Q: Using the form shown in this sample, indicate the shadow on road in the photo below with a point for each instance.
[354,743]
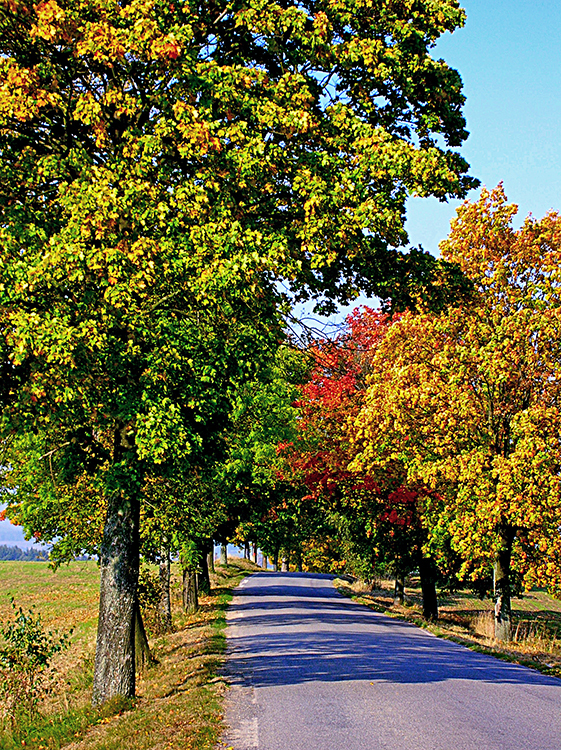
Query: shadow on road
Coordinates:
[291,633]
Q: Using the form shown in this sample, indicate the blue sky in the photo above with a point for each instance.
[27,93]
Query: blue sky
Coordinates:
[509,57]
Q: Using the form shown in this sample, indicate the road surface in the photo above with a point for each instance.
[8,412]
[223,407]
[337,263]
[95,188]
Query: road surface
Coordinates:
[312,670]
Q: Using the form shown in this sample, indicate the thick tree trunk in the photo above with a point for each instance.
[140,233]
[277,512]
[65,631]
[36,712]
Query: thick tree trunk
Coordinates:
[114,670]
[165,598]
[502,588]
[276,561]
[204,575]
[142,655]
[223,554]
[190,596]
[246,551]
[210,558]
[399,590]
[427,573]
[255,552]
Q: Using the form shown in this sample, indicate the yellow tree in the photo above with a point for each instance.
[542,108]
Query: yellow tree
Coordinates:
[470,402]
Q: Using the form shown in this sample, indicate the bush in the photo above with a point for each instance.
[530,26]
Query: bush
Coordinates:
[25,670]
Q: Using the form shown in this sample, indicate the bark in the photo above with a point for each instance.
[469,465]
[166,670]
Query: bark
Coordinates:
[114,670]
[427,573]
[190,594]
[204,575]
[276,561]
[223,554]
[246,551]
[399,590]
[210,559]
[255,552]
[165,598]
[285,565]
[299,561]
[142,653]
[502,587]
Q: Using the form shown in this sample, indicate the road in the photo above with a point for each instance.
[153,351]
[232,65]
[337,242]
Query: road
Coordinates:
[312,670]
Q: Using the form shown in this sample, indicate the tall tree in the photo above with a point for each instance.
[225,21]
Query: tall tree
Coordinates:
[162,165]
[470,401]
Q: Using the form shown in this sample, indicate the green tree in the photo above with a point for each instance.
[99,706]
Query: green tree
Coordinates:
[163,166]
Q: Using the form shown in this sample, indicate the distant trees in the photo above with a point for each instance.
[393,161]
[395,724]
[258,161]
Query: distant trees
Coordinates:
[8,552]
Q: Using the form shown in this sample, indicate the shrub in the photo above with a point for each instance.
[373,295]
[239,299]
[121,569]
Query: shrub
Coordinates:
[25,670]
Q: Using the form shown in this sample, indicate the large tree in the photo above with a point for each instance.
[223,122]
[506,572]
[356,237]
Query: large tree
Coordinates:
[162,167]
[469,402]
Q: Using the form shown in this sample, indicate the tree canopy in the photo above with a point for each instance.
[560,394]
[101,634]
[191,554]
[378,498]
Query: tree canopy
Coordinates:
[469,402]
[164,168]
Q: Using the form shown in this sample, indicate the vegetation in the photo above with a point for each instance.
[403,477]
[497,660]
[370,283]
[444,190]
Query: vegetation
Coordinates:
[175,178]
[166,169]
[178,704]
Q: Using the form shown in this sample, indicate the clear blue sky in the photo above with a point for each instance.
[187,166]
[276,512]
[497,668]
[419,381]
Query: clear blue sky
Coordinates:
[509,57]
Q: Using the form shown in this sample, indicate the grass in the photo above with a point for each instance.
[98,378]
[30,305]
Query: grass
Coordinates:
[178,703]
[468,620]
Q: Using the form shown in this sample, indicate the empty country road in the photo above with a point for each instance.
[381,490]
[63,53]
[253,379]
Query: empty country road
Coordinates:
[312,670]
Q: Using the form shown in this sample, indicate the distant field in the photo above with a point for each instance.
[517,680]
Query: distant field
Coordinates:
[65,598]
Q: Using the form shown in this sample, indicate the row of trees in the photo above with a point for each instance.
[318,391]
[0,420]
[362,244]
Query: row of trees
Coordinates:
[431,442]
[173,177]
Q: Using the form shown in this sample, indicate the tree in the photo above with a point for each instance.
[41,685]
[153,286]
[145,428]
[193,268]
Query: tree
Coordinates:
[163,165]
[469,402]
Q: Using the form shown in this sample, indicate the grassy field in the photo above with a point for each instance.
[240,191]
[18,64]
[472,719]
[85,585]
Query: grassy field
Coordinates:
[178,705]
[468,619]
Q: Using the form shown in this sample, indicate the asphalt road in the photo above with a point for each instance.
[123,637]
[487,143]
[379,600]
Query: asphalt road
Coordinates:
[311,670]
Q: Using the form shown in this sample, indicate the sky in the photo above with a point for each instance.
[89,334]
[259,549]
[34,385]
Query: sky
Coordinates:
[509,57]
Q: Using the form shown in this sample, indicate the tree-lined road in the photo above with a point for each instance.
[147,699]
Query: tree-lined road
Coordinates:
[312,670]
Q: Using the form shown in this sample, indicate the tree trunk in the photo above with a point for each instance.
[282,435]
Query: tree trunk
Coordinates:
[399,590]
[204,575]
[114,670]
[165,599]
[223,554]
[265,563]
[142,654]
[276,561]
[427,573]
[210,558]
[190,596]
[502,589]
[299,560]
[285,565]
[246,551]
[255,552]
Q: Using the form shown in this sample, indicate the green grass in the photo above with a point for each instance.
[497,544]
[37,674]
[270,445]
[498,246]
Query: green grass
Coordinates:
[179,700]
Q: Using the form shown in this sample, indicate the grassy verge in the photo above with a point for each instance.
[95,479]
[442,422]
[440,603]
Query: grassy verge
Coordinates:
[466,620]
[178,704]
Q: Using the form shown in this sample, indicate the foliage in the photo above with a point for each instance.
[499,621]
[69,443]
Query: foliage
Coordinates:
[468,402]
[25,658]
[163,167]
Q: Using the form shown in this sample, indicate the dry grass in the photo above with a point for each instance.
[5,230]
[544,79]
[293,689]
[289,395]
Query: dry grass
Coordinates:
[464,617]
[178,705]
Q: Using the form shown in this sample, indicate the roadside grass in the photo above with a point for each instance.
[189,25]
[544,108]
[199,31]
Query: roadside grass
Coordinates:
[179,698]
[467,619]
